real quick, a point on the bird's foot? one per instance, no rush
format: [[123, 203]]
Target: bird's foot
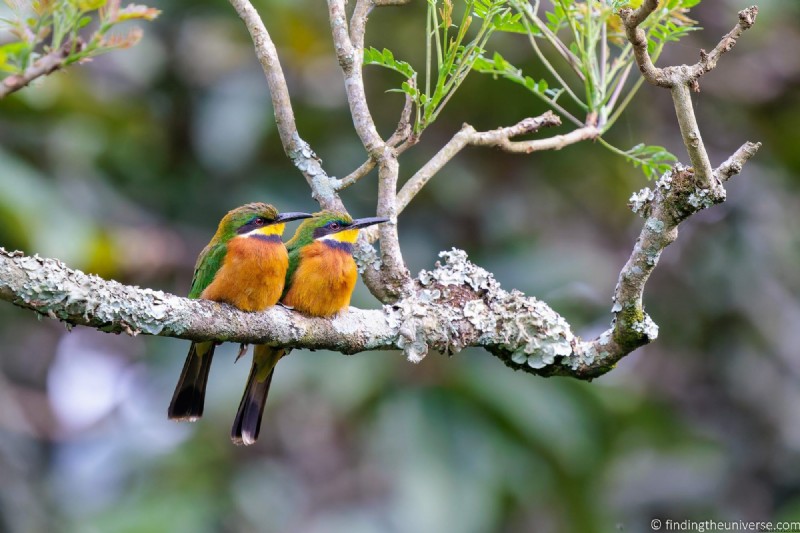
[[242, 350]]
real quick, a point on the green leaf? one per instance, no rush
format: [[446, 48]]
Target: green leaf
[[385, 58], [654, 160], [410, 90]]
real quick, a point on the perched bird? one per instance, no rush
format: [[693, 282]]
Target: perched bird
[[244, 265], [320, 280]]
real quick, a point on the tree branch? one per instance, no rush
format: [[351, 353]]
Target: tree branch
[[680, 79], [349, 45], [297, 150], [679, 193], [455, 305], [323, 188], [497, 138], [44, 66], [684, 74]]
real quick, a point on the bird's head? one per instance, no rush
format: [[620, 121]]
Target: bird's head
[[255, 219], [333, 226]]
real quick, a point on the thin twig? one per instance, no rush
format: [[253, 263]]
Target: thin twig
[[298, 150], [349, 45], [681, 79], [399, 139], [44, 66], [733, 165], [498, 138]]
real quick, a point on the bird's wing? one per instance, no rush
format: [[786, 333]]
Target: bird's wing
[[294, 261], [208, 263]]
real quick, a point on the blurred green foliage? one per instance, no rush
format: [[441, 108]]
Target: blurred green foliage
[[123, 166]]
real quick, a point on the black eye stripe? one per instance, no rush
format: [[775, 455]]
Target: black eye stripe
[[253, 223], [334, 226]]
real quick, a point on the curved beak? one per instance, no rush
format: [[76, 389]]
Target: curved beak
[[292, 215], [364, 222]]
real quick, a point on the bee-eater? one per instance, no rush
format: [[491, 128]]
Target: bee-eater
[[319, 282], [244, 265]]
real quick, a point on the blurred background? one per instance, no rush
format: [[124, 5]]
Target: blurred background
[[123, 167]]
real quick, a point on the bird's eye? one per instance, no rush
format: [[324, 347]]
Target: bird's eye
[[334, 225], [259, 221]]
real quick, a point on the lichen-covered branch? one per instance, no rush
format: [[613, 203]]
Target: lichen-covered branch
[[455, 305], [44, 66], [675, 197], [679, 193]]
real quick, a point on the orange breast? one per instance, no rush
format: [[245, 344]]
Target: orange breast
[[251, 276], [323, 282]]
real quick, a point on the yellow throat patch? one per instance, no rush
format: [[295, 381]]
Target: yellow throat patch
[[272, 229], [348, 235]]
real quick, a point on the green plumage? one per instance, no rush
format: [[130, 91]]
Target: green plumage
[[211, 258], [206, 268]]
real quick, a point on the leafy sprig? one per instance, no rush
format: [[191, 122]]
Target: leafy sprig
[[452, 50], [594, 61], [42, 27]]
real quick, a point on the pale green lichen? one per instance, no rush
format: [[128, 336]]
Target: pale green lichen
[[640, 202], [458, 301], [53, 289], [654, 225]]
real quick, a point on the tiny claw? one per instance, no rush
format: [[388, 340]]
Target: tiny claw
[[242, 350], [289, 307]]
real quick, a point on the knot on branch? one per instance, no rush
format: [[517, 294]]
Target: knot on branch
[[747, 17], [676, 195], [459, 304]]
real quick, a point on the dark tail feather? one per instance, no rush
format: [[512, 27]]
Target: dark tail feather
[[247, 423], [190, 392]]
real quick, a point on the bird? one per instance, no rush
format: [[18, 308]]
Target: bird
[[319, 282], [244, 265]]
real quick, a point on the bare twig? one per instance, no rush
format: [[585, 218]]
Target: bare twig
[[354, 177], [499, 138], [44, 66], [403, 131], [298, 150], [349, 46], [631, 20], [680, 79], [733, 165], [708, 61], [401, 139], [684, 74], [690, 131]]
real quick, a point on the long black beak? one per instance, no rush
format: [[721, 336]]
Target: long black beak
[[364, 222], [293, 215]]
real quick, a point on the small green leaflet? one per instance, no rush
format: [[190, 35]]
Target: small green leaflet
[[654, 160], [385, 58], [499, 66]]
